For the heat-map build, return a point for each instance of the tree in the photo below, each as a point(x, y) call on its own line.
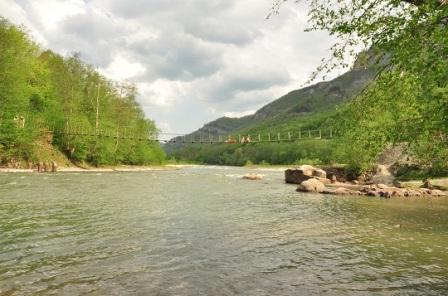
point(412, 32)
point(408, 102)
point(53, 93)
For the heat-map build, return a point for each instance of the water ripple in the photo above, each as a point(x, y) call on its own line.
point(205, 231)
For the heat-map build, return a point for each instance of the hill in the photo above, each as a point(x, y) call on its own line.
point(306, 108)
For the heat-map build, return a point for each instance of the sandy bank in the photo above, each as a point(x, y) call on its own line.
point(74, 169)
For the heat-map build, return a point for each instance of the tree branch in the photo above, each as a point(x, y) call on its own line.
point(421, 2)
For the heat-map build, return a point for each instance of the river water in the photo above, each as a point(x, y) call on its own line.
point(205, 231)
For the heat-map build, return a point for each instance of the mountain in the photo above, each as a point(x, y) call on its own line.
point(305, 107)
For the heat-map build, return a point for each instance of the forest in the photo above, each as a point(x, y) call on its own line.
point(42, 92)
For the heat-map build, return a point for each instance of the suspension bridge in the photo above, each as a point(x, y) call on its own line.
point(196, 137)
point(70, 130)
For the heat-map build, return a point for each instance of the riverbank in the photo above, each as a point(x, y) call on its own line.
point(120, 168)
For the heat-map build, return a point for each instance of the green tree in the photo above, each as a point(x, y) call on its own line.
point(41, 91)
point(408, 102)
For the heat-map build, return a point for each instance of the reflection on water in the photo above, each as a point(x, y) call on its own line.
point(204, 231)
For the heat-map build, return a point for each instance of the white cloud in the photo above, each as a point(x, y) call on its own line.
point(239, 114)
point(51, 12)
point(162, 92)
point(16, 14)
point(121, 68)
point(193, 61)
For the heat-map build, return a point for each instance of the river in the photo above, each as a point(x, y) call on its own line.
point(205, 231)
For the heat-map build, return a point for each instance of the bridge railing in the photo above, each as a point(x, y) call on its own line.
point(253, 138)
point(70, 129)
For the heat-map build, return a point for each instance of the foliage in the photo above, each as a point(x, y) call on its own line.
point(40, 91)
point(394, 110)
point(411, 32)
point(257, 153)
point(408, 103)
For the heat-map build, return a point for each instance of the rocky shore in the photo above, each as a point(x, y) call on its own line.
point(311, 179)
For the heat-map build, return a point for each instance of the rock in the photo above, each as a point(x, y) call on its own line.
point(318, 184)
point(382, 186)
point(344, 191)
point(365, 189)
point(411, 192)
point(311, 185)
point(336, 173)
point(320, 173)
point(427, 184)
point(307, 169)
point(303, 173)
point(298, 175)
point(373, 193)
point(425, 191)
point(295, 176)
point(363, 178)
point(323, 180)
point(382, 170)
point(339, 191)
point(383, 175)
point(333, 179)
point(397, 184)
point(385, 193)
point(253, 177)
point(398, 192)
point(437, 192)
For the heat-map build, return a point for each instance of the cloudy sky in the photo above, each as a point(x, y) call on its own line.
point(192, 60)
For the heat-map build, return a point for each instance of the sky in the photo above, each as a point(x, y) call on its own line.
point(193, 61)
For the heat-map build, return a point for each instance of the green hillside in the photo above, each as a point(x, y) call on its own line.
point(310, 108)
point(41, 91)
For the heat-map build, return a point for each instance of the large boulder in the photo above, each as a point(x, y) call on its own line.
point(303, 173)
point(297, 176)
point(337, 174)
point(311, 185)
